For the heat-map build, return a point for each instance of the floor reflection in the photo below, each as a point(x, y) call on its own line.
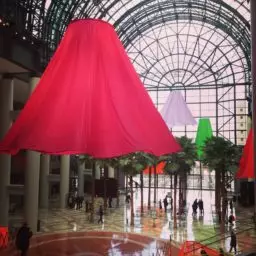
point(94, 243)
point(199, 228)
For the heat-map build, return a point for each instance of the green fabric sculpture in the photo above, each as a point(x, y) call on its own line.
point(204, 131)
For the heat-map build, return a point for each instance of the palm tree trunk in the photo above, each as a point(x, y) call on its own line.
point(224, 201)
point(217, 190)
point(171, 182)
point(171, 188)
point(105, 187)
point(132, 206)
point(126, 183)
point(155, 185)
point(174, 202)
point(149, 189)
point(141, 192)
point(93, 192)
point(117, 184)
point(180, 195)
point(185, 187)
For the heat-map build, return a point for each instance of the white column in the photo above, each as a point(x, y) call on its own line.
point(6, 105)
point(97, 172)
point(64, 179)
point(31, 190)
point(43, 181)
point(111, 172)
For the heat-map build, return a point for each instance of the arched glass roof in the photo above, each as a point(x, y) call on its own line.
point(142, 24)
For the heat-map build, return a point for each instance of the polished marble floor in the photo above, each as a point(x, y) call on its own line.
point(95, 244)
point(59, 226)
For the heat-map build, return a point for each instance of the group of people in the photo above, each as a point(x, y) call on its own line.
point(166, 203)
point(75, 201)
point(198, 204)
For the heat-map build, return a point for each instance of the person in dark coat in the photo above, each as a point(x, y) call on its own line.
point(22, 239)
point(160, 205)
point(231, 205)
point(101, 215)
point(171, 202)
point(128, 198)
point(194, 207)
point(233, 242)
point(201, 206)
point(110, 202)
point(86, 206)
point(231, 219)
point(165, 204)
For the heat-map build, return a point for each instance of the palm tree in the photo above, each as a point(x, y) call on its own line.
point(147, 161)
point(128, 166)
point(132, 165)
point(172, 169)
point(223, 157)
point(151, 162)
point(179, 164)
point(89, 161)
point(114, 163)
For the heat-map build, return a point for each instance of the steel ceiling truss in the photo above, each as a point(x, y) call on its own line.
point(145, 14)
point(25, 17)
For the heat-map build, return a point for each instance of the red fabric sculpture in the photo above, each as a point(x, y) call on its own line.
point(90, 101)
point(159, 169)
point(193, 248)
point(246, 170)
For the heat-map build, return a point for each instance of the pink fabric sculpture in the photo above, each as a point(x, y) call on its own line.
point(175, 111)
point(90, 100)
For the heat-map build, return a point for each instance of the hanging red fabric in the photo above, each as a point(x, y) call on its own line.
point(246, 170)
point(159, 169)
point(90, 101)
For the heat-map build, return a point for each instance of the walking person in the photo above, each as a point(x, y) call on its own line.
point(22, 239)
point(101, 215)
point(201, 206)
point(233, 241)
point(194, 207)
point(165, 204)
point(128, 198)
point(160, 205)
point(110, 202)
point(231, 205)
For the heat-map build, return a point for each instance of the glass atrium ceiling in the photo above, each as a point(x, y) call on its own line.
point(172, 43)
point(200, 47)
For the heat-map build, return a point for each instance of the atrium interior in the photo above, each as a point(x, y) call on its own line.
point(204, 51)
